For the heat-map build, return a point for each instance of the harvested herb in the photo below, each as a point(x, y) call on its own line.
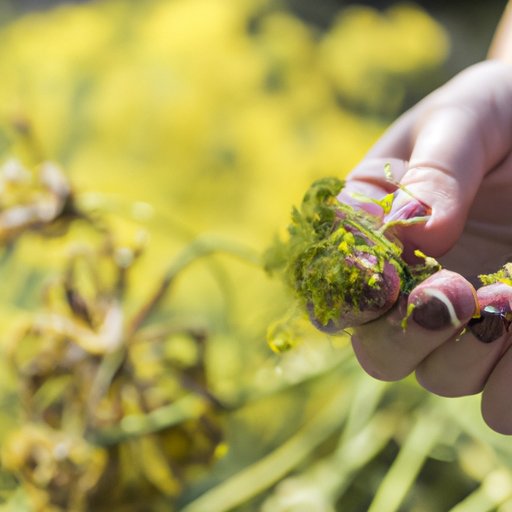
point(503, 275)
point(344, 264)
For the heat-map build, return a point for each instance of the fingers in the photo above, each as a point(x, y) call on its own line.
point(447, 362)
point(496, 403)
point(367, 180)
point(452, 152)
point(462, 366)
point(480, 360)
point(443, 304)
point(451, 139)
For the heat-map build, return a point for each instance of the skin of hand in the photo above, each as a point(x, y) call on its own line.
point(453, 153)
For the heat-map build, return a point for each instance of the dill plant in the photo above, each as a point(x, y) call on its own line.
point(344, 265)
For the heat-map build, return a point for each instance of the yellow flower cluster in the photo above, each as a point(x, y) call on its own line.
point(218, 111)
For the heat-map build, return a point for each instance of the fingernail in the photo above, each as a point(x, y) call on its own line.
point(495, 313)
point(488, 327)
point(432, 313)
point(442, 301)
point(346, 197)
point(405, 207)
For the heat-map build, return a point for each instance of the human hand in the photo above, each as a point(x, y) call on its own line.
point(453, 153)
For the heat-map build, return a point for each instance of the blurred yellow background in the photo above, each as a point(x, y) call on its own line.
point(209, 118)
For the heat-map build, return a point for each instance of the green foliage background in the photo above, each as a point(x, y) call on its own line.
point(201, 122)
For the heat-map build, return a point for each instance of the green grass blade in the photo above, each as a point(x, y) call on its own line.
point(495, 489)
point(254, 479)
point(402, 474)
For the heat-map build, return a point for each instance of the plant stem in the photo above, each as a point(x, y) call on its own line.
point(202, 246)
point(261, 475)
point(422, 438)
point(134, 425)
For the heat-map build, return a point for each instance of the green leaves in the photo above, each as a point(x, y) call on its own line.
point(504, 275)
point(343, 267)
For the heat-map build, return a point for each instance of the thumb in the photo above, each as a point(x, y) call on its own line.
point(458, 140)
